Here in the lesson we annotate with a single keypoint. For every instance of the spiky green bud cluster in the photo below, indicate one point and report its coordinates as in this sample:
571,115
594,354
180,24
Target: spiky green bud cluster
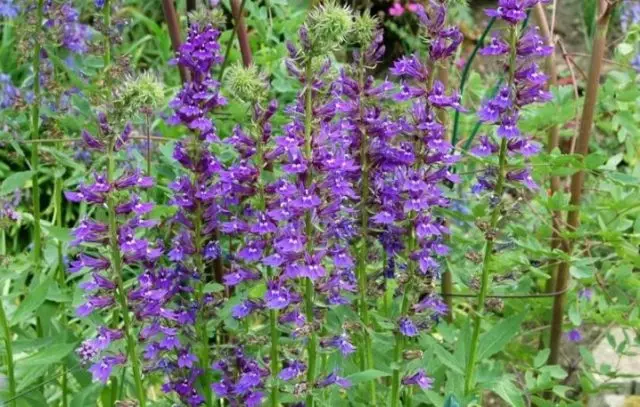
142,92
246,83
204,17
364,29
329,26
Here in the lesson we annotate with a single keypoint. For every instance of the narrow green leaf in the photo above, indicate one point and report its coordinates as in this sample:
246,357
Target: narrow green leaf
541,357
33,300
48,355
508,392
15,182
366,376
497,338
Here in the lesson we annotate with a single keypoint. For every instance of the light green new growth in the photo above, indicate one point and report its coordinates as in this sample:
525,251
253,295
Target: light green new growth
364,29
329,26
136,93
246,83
204,17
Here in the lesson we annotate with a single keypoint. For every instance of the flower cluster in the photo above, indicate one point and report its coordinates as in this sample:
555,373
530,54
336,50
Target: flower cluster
526,85
242,380
126,249
171,301
62,21
410,197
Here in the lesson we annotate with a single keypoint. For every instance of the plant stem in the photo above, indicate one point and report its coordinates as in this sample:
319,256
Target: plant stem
237,10
6,331
577,180
465,75
275,337
107,35
35,131
363,254
173,26
309,291
57,196
488,249
116,260
397,351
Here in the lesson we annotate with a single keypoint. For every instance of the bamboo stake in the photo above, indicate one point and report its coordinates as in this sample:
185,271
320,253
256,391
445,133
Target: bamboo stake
173,25
577,180
237,10
553,139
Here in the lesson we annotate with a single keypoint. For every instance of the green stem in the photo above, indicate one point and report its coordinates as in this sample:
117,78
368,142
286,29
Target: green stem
35,131
107,37
397,352
201,318
6,331
488,249
361,270
116,260
275,368
465,76
309,291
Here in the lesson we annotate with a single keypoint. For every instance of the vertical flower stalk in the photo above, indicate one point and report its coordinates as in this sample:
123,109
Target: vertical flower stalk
117,246
414,192
175,331
4,322
35,133
577,180
525,84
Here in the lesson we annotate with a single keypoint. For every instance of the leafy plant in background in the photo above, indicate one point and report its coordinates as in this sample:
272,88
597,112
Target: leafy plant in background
275,235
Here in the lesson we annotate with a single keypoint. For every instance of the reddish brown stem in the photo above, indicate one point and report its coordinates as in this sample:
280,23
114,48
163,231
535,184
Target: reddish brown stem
577,180
553,139
447,278
241,30
173,24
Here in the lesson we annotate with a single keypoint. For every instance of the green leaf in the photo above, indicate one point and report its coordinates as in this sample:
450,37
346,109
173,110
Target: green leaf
447,359
213,288
541,357
451,401
366,376
48,355
33,300
15,182
497,338
508,392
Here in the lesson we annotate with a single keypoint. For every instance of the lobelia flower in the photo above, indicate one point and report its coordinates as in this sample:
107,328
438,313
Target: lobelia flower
419,378
62,21
411,190
102,289
170,302
574,335
242,381
526,86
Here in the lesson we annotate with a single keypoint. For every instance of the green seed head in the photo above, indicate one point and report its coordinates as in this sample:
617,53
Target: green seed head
329,26
143,92
246,83
204,17
364,29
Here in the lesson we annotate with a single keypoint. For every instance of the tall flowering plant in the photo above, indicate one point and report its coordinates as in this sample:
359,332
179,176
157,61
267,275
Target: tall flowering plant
525,85
108,249
171,301
411,197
